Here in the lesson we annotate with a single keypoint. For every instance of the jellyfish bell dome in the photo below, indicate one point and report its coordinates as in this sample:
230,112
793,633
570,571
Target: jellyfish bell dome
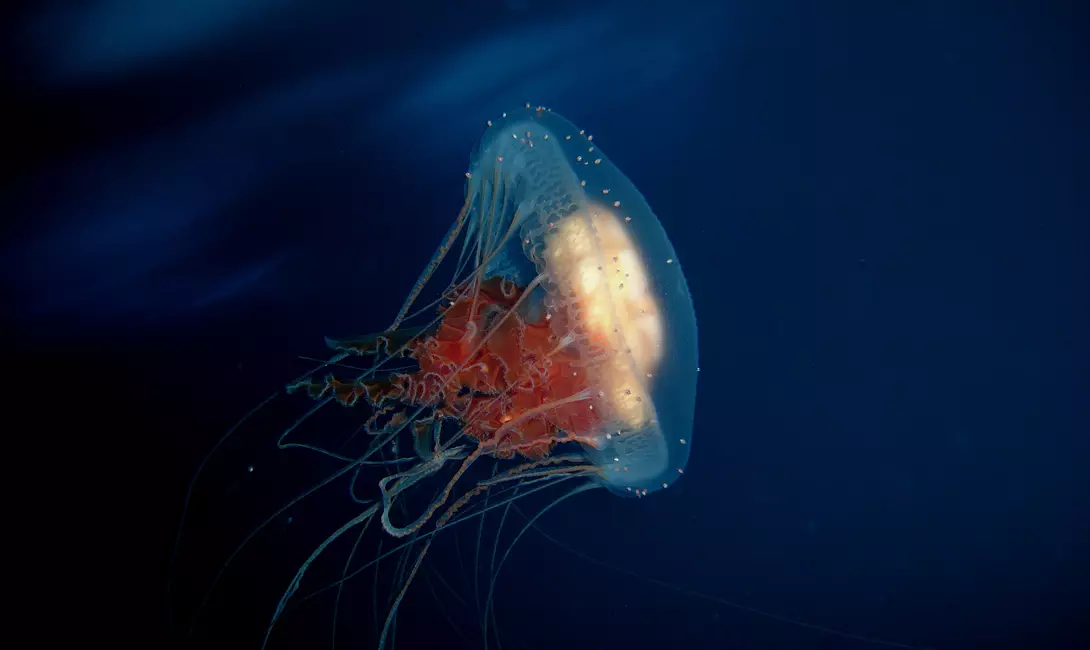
613,288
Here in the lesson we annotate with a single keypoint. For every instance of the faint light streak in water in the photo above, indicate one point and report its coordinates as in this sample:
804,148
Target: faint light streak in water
76,41
594,61
155,210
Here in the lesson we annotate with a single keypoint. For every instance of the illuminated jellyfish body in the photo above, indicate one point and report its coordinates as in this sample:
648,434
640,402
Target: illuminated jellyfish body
600,347
564,348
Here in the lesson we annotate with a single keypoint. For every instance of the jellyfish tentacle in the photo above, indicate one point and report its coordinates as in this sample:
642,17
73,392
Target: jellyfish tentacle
393,485
344,572
489,603
379,557
366,515
437,258
439,525
492,571
477,548
492,445
189,495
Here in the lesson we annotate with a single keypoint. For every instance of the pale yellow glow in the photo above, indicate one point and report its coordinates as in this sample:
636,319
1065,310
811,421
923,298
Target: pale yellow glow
591,253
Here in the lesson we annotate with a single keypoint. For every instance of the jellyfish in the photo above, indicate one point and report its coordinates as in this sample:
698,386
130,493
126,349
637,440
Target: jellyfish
562,352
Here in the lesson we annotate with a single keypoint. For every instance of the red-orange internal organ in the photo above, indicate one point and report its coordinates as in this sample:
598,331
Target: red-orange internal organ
484,365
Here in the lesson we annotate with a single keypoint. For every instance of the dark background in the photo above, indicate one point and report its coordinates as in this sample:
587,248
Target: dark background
883,215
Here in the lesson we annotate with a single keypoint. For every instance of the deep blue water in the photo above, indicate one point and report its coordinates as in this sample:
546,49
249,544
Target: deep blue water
882,210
